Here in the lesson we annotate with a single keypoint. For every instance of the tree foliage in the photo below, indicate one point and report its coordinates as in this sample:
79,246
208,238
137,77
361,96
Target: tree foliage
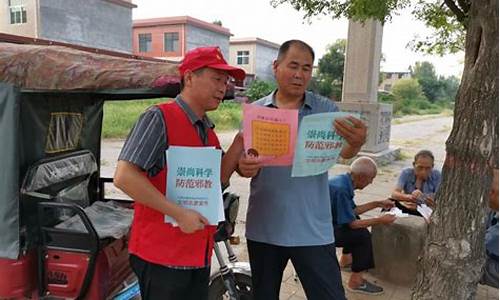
448,30
259,88
408,88
434,88
425,73
332,63
358,10
447,18
328,80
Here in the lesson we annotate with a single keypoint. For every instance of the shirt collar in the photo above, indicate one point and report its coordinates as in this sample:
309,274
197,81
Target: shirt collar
193,118
270,100
349,183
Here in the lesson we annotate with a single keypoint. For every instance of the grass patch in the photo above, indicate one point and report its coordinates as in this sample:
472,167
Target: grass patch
227,117
120,116
402,155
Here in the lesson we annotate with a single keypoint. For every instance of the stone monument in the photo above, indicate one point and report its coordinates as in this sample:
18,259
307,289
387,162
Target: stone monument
360,84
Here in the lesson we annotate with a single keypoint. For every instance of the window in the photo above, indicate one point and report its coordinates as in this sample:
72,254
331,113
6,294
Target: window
144,42
171,41
17,12
400,75
64,132
242,57
388,75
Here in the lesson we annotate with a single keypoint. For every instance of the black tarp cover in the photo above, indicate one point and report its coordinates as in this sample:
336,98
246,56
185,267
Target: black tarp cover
51,101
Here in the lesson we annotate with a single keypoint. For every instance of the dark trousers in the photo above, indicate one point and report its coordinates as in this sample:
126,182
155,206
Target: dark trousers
316,266
159,282
358,242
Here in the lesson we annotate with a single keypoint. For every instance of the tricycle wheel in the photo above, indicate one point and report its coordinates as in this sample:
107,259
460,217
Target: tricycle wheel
217,290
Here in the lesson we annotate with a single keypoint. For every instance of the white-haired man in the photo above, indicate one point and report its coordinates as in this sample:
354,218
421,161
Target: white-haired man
351,232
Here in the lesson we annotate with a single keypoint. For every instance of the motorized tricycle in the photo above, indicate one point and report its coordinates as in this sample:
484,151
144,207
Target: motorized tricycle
60,237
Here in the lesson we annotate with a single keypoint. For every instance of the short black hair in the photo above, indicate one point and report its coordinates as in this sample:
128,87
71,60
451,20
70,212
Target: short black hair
424,153
286,46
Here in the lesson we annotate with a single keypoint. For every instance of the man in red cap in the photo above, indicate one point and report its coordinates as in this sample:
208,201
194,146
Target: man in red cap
173,262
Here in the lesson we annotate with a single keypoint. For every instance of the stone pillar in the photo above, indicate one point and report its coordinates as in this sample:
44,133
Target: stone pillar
360,84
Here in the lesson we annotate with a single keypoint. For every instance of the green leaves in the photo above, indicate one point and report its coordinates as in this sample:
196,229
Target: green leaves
358,10
259,88
447,18
328,81
448,32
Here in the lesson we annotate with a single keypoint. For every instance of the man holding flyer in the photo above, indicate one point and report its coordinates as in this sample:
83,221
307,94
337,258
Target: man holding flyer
174,262
289,218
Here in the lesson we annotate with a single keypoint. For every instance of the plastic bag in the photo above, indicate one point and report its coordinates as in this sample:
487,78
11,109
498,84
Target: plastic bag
108,218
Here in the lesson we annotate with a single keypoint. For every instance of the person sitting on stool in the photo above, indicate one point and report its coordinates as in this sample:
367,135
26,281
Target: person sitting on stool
418,184
351,232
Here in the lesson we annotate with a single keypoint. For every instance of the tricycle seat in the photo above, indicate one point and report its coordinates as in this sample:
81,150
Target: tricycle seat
80,240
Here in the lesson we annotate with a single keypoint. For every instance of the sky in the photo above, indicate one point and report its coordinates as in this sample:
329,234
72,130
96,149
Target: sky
257,18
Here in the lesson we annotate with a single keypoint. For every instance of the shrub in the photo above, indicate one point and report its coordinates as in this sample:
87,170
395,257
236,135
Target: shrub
258,89
407,89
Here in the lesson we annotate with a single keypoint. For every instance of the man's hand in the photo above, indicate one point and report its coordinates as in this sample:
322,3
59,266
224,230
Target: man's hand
430,202
248,166
409,198
416,194
385,204
190,221
386,219
352,129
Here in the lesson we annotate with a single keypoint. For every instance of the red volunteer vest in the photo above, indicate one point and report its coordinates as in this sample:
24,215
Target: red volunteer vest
151,238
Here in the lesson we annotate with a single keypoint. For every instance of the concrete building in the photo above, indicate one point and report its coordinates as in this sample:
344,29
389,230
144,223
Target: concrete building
389,78
105,24
172,37
255,56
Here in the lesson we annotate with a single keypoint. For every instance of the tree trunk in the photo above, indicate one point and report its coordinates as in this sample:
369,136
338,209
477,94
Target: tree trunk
450,265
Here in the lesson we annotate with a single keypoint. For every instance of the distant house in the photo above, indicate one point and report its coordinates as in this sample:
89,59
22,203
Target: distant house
389,78
255,56
105,24
172,37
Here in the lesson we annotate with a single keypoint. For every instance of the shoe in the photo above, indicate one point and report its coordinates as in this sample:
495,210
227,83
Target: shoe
367,288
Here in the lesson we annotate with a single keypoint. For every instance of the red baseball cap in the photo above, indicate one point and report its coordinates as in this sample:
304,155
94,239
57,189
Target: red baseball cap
210,57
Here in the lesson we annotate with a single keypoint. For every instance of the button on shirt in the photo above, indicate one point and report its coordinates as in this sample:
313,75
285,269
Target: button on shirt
407,181
342,199
291,211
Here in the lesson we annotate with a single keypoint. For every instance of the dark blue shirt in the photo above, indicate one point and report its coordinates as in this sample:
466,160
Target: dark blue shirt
407,181
491,239
342,199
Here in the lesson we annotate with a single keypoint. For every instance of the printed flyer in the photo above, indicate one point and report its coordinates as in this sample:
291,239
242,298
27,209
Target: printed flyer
270,134
318,144
193,181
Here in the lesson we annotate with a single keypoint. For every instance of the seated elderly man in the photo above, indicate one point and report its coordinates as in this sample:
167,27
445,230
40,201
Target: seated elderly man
418,184
490,269
351,232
